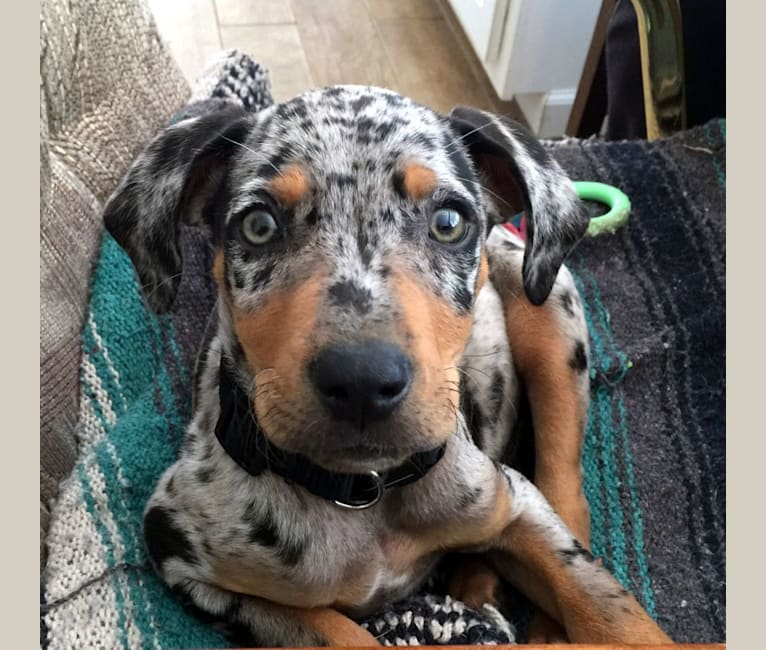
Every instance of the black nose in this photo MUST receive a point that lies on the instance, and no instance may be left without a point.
(361, 381)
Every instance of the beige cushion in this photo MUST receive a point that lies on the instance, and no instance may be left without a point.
(107, 84)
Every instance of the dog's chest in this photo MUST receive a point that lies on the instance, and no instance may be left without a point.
(357, 585)
(295, 549)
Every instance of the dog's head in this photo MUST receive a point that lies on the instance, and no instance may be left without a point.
(349, 227)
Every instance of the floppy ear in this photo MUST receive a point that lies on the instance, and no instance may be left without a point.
(517, 170)
(170, 183)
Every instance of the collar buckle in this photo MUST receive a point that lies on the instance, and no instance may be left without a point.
(359, 497)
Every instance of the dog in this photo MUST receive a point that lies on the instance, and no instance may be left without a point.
(374, 333)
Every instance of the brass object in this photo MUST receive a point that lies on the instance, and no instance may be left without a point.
(662, 66)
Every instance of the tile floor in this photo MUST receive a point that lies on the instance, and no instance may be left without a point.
(412, 46)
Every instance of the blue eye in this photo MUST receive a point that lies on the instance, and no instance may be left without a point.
(447, 226)
(259, 227)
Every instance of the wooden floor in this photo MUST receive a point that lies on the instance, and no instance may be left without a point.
(414, 47)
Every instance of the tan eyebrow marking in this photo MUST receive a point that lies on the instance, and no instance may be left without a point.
(419, 181)
(292, 185)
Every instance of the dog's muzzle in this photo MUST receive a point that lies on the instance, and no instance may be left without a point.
(240, 436)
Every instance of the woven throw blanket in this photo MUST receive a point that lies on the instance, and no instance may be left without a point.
(653, 456)
(101, 62)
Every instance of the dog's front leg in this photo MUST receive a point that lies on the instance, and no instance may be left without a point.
(509, 520)
(541, 557)
(189, 564)
(550, 352)
(251, 621)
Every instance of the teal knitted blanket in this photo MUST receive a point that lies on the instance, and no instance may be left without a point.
(99, 590)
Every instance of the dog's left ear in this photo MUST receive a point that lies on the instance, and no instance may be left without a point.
(169, 184)
(517, 170)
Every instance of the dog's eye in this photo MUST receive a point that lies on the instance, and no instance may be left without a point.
(259, 227)
(447, 226)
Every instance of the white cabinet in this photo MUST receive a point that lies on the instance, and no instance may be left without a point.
(482, 21)
(533, 51)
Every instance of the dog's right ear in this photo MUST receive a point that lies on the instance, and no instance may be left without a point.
(170, 183)
(516, 169)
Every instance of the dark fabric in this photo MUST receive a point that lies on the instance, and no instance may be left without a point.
(661, 281)
(625, 94)
(704, 46)
(704, 27)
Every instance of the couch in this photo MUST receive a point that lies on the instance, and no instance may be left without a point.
(101, 65)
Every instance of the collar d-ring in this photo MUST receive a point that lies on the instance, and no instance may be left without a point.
(374, 485)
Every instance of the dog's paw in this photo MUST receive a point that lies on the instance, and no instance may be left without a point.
(474, 583)
(543, 629)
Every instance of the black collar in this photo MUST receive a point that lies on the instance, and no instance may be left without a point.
(242, 438)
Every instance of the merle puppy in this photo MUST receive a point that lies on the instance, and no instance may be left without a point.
(373, 334)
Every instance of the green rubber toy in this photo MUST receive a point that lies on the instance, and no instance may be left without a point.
(616, 200)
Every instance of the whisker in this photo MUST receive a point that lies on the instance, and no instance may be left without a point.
(145, 293)
(460, 139)
(478, 356)
(465, 371)
(170, 278)
(263, 389)
(268, 412)
(489, 191)
(481, 372)
(246, 148)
